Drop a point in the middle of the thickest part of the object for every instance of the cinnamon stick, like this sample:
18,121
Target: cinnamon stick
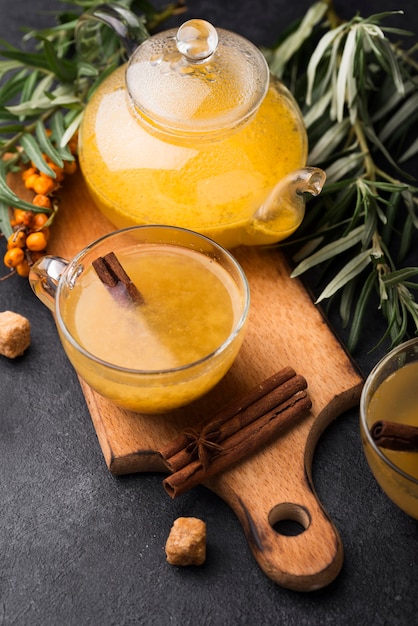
113,276
395,436
236,431
230,410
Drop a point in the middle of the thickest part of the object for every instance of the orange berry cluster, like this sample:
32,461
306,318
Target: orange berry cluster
30,235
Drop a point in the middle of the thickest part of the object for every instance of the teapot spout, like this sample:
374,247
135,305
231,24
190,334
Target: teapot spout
284,208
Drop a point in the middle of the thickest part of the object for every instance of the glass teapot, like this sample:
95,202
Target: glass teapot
193,131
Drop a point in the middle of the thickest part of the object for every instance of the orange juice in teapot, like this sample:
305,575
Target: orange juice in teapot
194,132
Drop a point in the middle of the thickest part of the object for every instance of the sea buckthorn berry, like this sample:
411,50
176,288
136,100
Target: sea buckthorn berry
23,268
44,185
59,172
31,180
39,221
70,167
36,241
16,240
13,257
73,143
42,201
22,217
29,172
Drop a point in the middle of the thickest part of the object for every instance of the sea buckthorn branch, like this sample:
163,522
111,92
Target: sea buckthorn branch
43,93
30,227
356,83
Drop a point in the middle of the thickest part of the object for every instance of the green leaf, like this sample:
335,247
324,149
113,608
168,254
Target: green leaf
71,130
352,269
45,144
293,43
410,152
58,132
399,276
329,38
34,152
8,66
65,71
28,59
329,251
329,142
5,226
86,69
11,199
360,310
405,112
346,303
344,86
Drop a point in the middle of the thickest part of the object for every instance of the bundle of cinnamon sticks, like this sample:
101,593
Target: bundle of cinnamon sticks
235,431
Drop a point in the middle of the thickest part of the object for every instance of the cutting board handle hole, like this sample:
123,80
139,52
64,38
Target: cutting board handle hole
289,519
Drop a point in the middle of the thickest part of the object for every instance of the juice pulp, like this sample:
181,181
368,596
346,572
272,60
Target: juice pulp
396,400
192,305
137,175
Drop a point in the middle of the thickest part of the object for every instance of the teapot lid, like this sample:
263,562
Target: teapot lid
197,79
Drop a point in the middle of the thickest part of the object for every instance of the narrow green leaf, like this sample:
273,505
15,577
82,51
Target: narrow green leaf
399,276
353,268
58,132
403,114
29,86
346,303
86,69
344,167
28,59
329,142
65,71
360,311
329,251
5,226
345,72
45,144
410,152
34,152
293,43
71,130
8,66
318,54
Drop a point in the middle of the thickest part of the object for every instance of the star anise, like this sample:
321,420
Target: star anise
202,445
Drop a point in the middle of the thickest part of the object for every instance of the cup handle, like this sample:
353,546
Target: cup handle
44,277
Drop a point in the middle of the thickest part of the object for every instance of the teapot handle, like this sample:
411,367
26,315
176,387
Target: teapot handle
284,208
129,28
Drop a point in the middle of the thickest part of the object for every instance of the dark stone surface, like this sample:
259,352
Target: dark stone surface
80,547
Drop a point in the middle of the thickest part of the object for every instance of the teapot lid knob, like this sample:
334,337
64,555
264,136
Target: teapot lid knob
196,80
197,40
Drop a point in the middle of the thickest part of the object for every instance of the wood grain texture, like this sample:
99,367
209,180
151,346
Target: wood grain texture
275,483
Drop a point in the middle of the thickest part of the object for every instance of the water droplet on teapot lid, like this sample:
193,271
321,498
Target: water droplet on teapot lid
197,80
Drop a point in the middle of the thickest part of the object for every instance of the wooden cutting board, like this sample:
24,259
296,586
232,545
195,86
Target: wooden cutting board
275,483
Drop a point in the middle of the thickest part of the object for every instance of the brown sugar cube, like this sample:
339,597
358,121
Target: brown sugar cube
186,543
14,334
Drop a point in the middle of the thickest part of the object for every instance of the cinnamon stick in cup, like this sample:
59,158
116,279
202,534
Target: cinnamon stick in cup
114,277
395,436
